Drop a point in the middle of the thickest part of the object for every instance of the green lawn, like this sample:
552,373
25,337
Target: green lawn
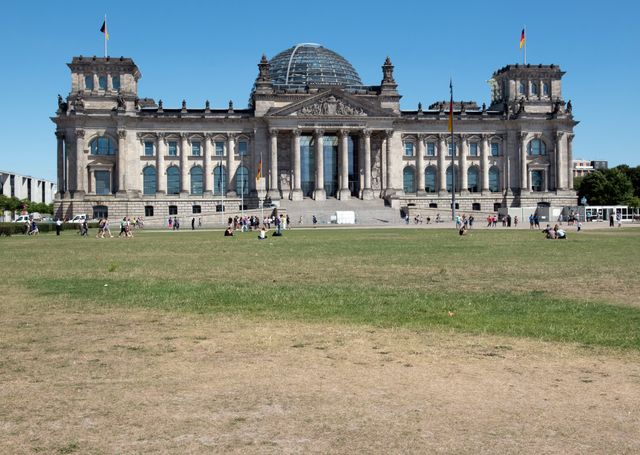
512,283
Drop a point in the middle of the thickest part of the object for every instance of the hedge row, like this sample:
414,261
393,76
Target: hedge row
8,229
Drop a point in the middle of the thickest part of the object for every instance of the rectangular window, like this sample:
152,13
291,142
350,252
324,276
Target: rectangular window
100,212
12,184
148,210
495,149
173,148
173,210
473,149
431,149
148,148
545,89
88,82
195,148
115,82
408,149
242,148
102,82
219,148
103,182
196,209
453,148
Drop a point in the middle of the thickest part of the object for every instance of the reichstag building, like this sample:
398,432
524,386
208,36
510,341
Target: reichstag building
312,130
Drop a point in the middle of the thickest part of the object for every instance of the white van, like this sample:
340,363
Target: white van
79,218
22,219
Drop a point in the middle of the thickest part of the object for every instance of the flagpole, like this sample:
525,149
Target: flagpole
106,30
453,154
525,44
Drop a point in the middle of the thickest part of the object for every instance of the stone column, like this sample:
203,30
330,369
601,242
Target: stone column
367,192
208,168
442,167
96,85
570,161
184,163
390,164
319,194
122,161
383,164
343,144
464,150
274,194
296,194
560,160
231,165
60,162
484,151
523,163
161,178
77,165
420,166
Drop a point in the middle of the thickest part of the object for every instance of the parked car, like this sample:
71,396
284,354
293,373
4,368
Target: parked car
79,218
22,219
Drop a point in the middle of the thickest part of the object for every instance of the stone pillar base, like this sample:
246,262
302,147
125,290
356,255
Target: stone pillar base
161,193
320,194
367,194
393,192
208,193
79,194
442,193
344,194
296,195
421,193
274,195
231,194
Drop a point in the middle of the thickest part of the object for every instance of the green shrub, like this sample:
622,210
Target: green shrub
8,229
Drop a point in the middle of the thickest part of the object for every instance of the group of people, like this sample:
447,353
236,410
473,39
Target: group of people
554,233
252,223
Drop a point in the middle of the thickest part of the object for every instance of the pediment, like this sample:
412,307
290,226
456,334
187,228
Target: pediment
330,103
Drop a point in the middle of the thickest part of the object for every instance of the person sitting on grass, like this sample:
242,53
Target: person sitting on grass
549,232
463,230
262,234
228,232
33,228
561,234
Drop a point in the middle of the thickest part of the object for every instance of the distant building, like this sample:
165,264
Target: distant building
27,187
312,130
585,167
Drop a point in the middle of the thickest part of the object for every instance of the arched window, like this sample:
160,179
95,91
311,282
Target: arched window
173,180
450,178
494,179
409,179
196,180
537,147
534,88
102,145
242,181
430,179
149,180
219,180
472,179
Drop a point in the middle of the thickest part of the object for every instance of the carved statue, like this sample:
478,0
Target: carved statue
78,102
230,106
184,105
207,105
569,107
62,106
136,103
484,107
121,102
332,106
159,105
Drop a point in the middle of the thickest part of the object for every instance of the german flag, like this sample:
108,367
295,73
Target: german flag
522,39
259,174
103,29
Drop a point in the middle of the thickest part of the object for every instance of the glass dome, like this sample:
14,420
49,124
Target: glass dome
311,64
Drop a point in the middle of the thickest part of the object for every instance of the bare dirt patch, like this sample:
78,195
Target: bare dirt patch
101,380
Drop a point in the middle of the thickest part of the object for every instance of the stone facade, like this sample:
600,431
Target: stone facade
131,156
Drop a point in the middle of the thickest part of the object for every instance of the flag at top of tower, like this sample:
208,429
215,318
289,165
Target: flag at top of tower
103,29
522,39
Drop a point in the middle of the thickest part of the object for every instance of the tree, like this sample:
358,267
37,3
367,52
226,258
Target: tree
606,187
634,176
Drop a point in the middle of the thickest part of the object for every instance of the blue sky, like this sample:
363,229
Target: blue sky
209,50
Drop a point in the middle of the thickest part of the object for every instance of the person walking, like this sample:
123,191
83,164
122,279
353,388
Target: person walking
193,224
58,226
